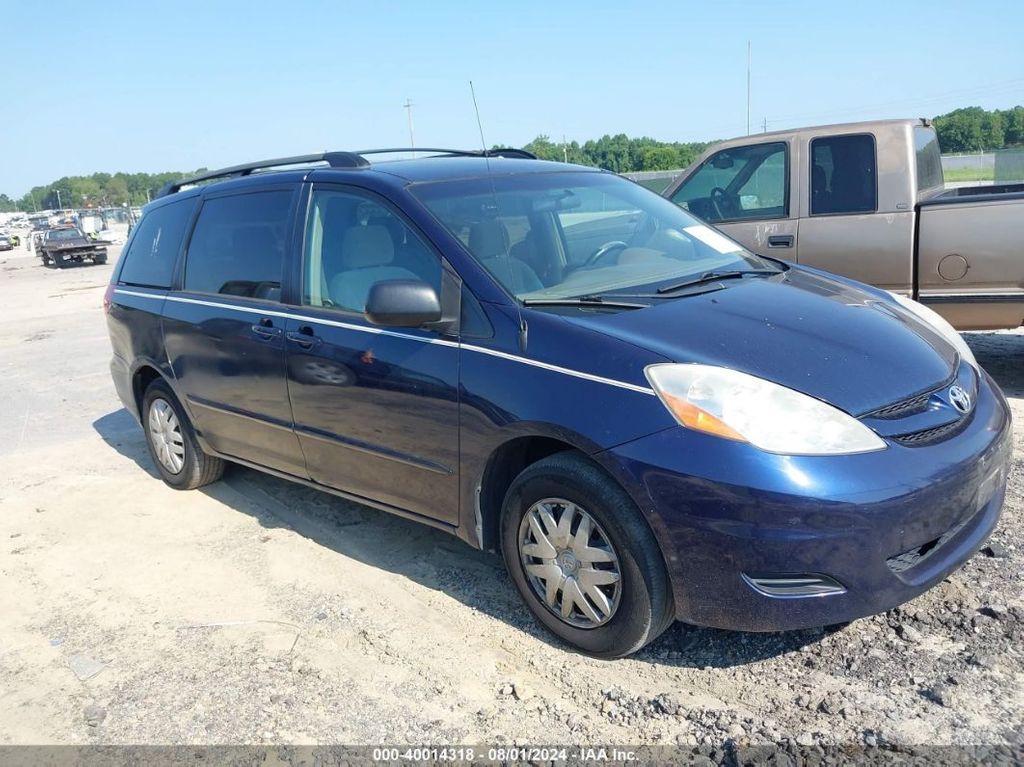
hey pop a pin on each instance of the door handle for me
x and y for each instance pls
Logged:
(303, 338)
(780, 241)
(265, 329)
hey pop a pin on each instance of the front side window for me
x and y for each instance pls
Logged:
(238, 245)
(747, 182)
(843, 177)
(153, 253)
(589, 233)
(353, 242)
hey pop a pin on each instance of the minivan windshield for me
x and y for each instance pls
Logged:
(571, 234)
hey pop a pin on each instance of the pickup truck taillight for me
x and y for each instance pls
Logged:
(108, 298)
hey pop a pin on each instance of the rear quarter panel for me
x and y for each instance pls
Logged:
(971, 262)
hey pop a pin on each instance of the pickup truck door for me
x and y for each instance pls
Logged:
(745, 192)
(851, 224)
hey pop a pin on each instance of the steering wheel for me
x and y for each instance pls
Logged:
(720, 202)
(604, 250)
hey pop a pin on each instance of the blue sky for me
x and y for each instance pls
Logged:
(177, 85)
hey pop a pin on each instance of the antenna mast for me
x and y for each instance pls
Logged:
(408, 105)
(748, 87)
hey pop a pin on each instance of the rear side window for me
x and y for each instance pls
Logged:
(153, 253)
(843, 175)
(238, 245)
(929, 159)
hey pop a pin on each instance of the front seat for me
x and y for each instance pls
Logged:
(367, 256)
(488, 241)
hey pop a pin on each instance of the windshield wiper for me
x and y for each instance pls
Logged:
(586, 301)
(714, 277)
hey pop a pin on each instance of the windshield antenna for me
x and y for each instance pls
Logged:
(508, 256)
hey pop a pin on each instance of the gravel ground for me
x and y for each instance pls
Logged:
(257, 611)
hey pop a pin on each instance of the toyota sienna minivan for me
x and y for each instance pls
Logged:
(650, 422)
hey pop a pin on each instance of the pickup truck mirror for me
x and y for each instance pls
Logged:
(722, 161)
(403, 304)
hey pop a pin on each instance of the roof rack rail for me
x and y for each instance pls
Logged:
(334, 159)
(497, 152)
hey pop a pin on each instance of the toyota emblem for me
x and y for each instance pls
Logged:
(960, 399)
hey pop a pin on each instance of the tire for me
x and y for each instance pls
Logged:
(640, 600)
(99, 260)
(58, 261)
(195, 468)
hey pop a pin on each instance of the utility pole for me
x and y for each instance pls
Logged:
(565, 149)
(412, 136)
(748, 87)
(764, 125)
(59, 206)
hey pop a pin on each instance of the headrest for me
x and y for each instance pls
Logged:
(365, 246)
(488, 239)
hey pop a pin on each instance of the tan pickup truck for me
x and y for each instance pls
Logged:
(867, 200)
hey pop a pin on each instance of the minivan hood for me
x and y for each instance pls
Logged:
(818, 335)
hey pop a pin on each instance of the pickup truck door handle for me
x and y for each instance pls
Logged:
(304, 338)
(265, 329)
(780, 241)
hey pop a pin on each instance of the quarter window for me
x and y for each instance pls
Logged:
(353, 242)
(843, 175)
(238, 246)
(747, 182)
(153, 253)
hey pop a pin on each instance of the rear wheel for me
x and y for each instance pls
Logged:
(172, 442)
(583, 558)
(100, 260)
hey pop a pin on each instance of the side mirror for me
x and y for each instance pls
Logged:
(402, 304)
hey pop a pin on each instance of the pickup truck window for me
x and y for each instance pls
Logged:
(747, 182)
(929, 159)
(843, 175)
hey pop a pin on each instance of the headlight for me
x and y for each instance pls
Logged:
(939, 323)
(744, 408)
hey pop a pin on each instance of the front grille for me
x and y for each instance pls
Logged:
(933, 435)
(902, 408)
(904, 561)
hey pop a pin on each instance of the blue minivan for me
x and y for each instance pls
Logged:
(648, 421)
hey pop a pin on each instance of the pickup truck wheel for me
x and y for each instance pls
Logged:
(172, 441)
(583, 558)
(58, 260)
(100, 260)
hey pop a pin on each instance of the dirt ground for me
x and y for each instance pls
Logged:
(260, 611)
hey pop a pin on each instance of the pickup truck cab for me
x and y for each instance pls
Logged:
(868, 201)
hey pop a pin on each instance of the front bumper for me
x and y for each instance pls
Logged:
(886, 526)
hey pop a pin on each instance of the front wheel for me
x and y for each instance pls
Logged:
(583, 558)
(172, 442)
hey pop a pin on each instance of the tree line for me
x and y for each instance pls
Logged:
(620, 153)
(100, 190)
(974, 129)
(971, 129)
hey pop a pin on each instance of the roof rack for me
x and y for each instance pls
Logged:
(497, 152)
(334, 159)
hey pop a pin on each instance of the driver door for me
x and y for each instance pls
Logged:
(744, 192)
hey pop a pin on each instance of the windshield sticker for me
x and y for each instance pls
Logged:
(710, 237)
